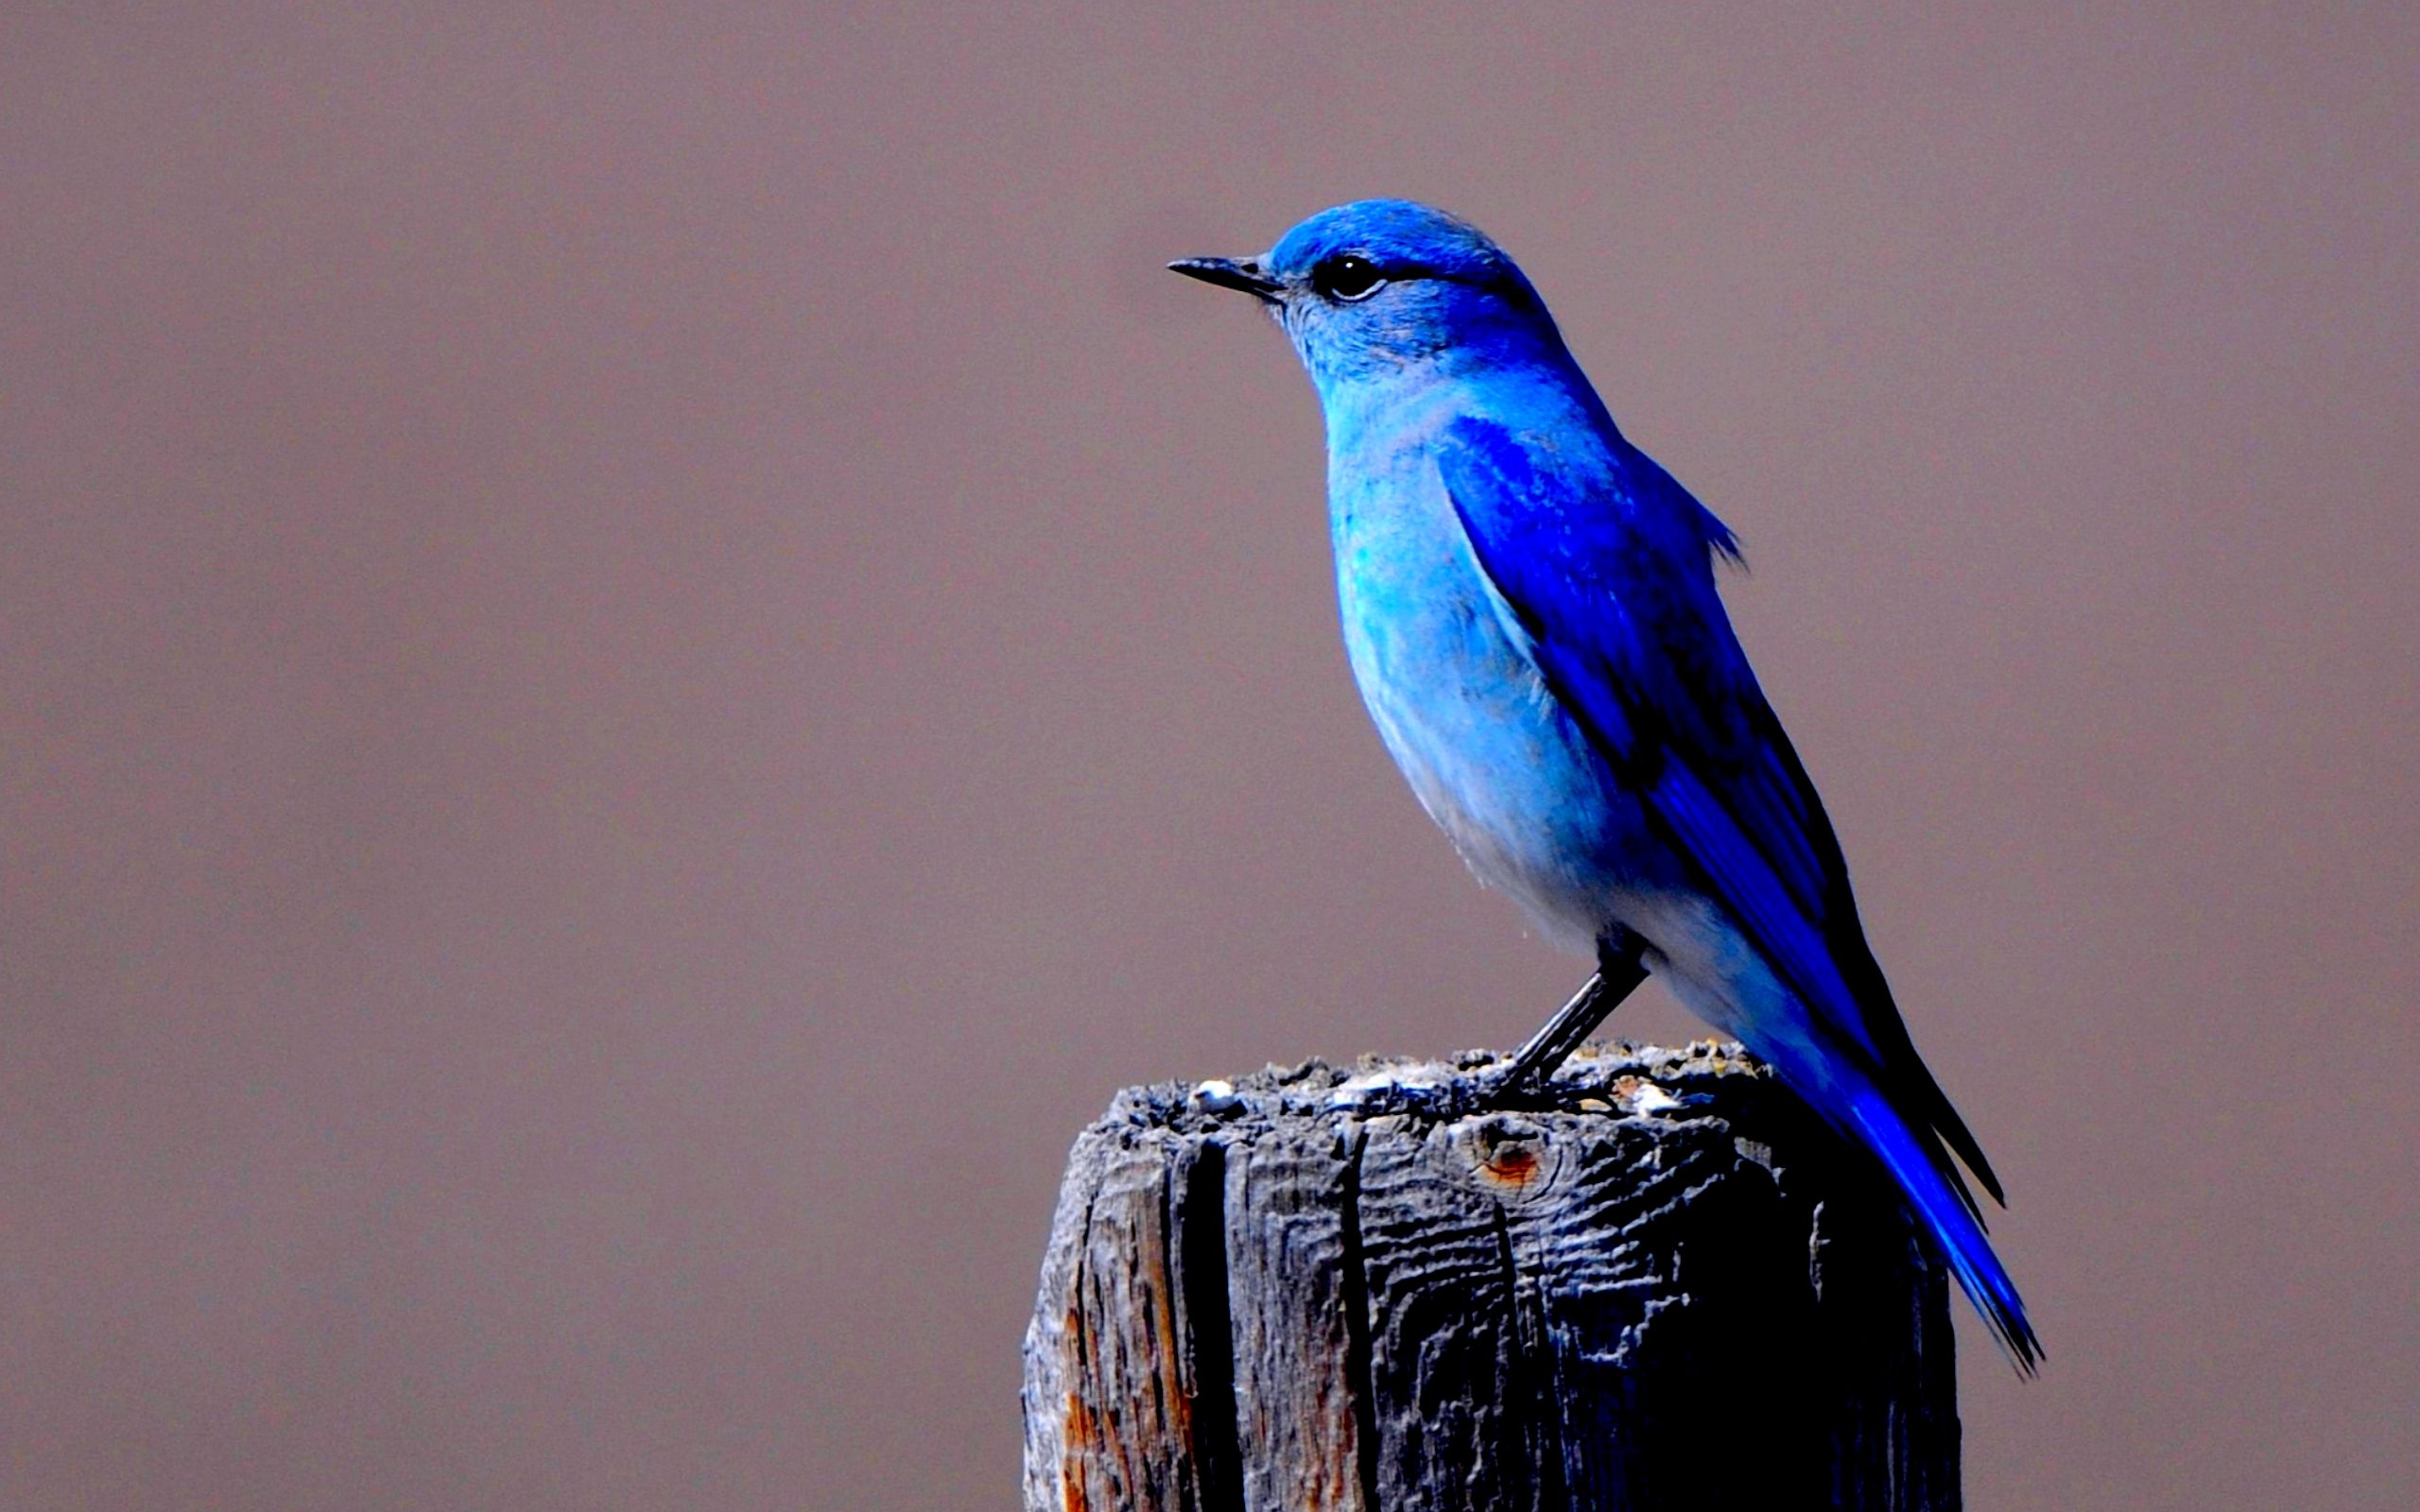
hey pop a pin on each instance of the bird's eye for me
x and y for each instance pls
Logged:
(1349, 279)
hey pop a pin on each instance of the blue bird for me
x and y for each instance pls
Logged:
(1529, 609)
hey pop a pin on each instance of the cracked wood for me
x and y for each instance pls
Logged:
(1659, 1283)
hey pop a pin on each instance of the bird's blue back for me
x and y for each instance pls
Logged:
(1531, 610)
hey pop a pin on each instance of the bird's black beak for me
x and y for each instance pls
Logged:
(1228, 273)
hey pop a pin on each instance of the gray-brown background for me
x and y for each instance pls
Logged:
(645, 652)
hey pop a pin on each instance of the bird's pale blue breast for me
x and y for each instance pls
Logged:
(1494, 757)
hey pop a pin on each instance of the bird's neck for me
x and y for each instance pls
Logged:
(1373, 416)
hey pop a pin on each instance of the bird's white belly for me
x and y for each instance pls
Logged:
(1490, 753)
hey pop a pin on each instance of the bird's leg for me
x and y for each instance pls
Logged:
(1620, 970)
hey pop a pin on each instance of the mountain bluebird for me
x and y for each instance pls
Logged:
(1529, 608)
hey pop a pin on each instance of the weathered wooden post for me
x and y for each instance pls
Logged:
(1661, 1284)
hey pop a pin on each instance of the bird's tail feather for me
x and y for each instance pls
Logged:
(1915, 1162)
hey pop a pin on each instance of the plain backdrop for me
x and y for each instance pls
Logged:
(645, 652)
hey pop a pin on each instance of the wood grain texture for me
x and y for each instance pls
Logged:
(1659, 1284)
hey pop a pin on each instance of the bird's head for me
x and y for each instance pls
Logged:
(1370, 289)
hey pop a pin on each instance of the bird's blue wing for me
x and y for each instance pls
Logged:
(1604, 563)
(1612, 587)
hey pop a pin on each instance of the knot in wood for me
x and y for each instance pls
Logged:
(1513, 1157)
